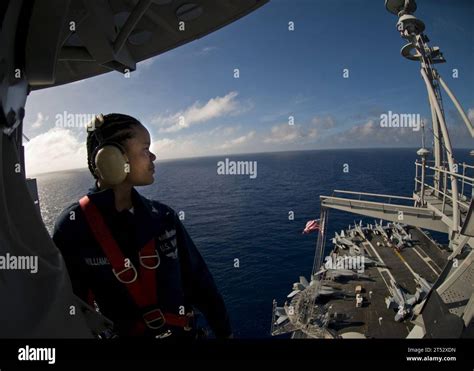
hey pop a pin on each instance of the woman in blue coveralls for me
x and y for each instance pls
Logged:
(129, 254)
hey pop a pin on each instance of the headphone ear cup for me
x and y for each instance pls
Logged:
(111, 164)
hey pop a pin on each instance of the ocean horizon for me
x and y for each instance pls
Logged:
(32, 175)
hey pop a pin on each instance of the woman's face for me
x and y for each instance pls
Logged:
(140, 158)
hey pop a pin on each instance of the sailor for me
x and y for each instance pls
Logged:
(129, 255)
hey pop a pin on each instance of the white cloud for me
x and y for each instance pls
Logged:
(197, 113)
(54, 150)
(207, 50)
(224, 131)
(319, 126)
(206, 143)
(316, 129)
(284, 133)
(274, 115)
(244, 139)
(366, 129)
(59, 148)
(371, 134)
(324, 123)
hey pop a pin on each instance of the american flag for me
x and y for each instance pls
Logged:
(311, 226)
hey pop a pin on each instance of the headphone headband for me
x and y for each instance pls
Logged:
(96, 122)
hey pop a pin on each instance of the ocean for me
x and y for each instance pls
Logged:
(248, 218)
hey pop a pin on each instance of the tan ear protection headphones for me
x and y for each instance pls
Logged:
(111, 164)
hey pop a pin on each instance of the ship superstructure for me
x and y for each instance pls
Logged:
(388, 278)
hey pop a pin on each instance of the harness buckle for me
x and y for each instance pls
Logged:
(154, 319)
(124, 271)
(156, 256)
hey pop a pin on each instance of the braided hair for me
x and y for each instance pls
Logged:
(116, 128)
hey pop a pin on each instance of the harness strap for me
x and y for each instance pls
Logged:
(141, 285)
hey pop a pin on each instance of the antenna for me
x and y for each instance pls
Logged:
(397, 6)
(422, 133)
(417, 49)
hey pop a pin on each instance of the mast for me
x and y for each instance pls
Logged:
(417, 49)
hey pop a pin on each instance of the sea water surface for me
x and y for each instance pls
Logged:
(234, 217)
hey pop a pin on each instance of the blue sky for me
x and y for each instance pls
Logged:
(282, 73)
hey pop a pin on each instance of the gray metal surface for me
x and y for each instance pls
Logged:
(71, 40)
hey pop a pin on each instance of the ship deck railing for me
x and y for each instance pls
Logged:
(434, 182)
(366, 196)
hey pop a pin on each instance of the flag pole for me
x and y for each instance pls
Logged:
(321, 241)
